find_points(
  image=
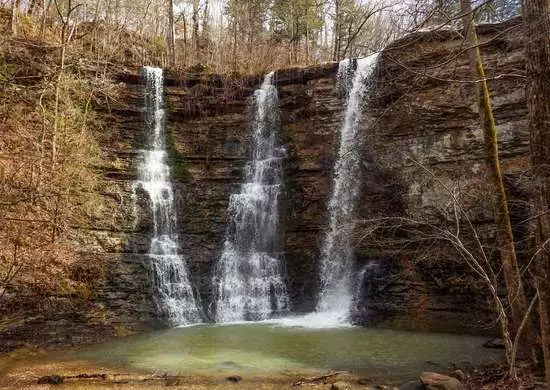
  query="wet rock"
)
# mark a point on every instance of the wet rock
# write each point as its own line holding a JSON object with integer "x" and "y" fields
{"x": 50, "y": 380}
{"x": 494, "y": 344}
{"x": 459, "y": 374}
{"x": 234, "y": 378}
{"x": 172, "y": 381}
{"x": 364, "y": 381}
{"x": 435, "y": 381}
{"x": 340, "y": 386}
{"x": 414, "y": 385}
{"x": 432, "y": 122}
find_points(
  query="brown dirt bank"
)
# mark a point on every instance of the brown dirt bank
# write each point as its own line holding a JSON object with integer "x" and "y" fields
{"x": 25, "y": 368}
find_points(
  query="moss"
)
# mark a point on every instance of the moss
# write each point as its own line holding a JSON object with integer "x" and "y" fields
{"x": 176, "y": 161}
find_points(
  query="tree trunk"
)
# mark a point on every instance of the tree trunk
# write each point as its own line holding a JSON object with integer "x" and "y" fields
{"x": 195, "y": 18}
{"x": 171, "y": 34}
{"x": 184, "y": 39}
{"x": 336, "y": 49}
{"x": 117, "y": 13}
{"x": 142, "y": 20}
{"x": 537, "y": 38}
{"x": 32, "y": 7}
{"x": 43, "y": 18}
{"x": 13, "y": 22}
{"x": 510, "y": 269}
{"x": 205, "y": 22}
{"x": 306, "y": 25}
{"x": 234, "y": 44}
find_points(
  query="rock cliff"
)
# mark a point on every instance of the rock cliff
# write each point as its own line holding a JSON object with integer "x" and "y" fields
{"x": 420, "y": 131}
{"x": 420, "y": 123}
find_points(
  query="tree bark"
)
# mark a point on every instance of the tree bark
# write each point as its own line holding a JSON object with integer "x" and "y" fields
{"x": 195, "y": 19}
{"x": 512, "y": 277}
{"x": 306, "y": 25}
{"x": 14, "y": 12}
{"x": 43, "y": 18}
{"x": 184, "y": 39}
{"x": 336, "y": 49}
{"x": 206, "y": 22}
{"x": 171, "y": 34}
{"x": 537, "y": 37}
{"x": 32, "y": 7}
{"x": 234, "y": 44}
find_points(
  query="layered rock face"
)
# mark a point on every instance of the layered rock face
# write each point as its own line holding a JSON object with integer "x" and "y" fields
{"x": 425, "y": 146}
{"x": 420, "y": 132}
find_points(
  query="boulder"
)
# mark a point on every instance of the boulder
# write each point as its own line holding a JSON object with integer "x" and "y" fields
{"x": 50, "y": 380}
{"x": 364, "y": 381}
{"x": 234, "y": 378}
{"x": 458, "y": 374}
{"x": 414, "y": 385}
{"x": 494, "y": 344}
{"x": 340, "y": 386}
{"x": 435, "y": 381}
{"x": 172, "y": 381}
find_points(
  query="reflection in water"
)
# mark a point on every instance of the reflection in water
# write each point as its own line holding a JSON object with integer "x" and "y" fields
{"x": 275, "y": 347}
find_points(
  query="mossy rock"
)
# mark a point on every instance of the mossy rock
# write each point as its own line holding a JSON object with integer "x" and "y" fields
{"x": 176, "y": 161}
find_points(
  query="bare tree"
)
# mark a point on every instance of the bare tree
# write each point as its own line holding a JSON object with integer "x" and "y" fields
{"x": 536, "y": 15}
{"x": 449, "y": 224}
{"x": 512, "y": 277}
{"x": 171, "y": 34}
{"x": 13, "y": 268}
{"x": 13, "y": 19}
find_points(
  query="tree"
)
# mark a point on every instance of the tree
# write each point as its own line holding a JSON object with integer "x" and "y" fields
{"x": 13, "y": 19}
{"x": 360, "y": 28}
{"x": 499, "y": 10}
{"x": 247, "y": 20}
{"x": 536, "y": 16}
{"x": 297, "y": 20}
{"x": 442, "y": 12}
{"x": 171, "y": 33}
{"x": 512, "y": 277}
{"x": 195, "y": 20}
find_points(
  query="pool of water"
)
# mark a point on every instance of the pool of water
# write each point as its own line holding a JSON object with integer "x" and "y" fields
{"x": 291, "y": 345}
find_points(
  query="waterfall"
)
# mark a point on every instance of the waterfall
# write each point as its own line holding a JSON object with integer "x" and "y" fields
{"x": 173, "y": 293}
{"x": 335, "y": 295}
{"x": 248, "y": 276}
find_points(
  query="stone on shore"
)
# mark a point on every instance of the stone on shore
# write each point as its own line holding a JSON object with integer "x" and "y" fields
{"x": 435, "y": 381}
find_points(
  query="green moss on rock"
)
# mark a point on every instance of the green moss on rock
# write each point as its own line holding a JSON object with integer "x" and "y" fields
{"x": 176, "y": 161}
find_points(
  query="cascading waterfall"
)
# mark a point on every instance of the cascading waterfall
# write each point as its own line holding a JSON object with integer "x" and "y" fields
{"x": 335, "y": 295}
{"x": 173, "y": 293}
{"x": 248, "y": 275}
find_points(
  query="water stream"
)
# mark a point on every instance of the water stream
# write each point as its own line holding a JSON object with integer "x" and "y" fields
{"x": 248, "y": 276}
{"x": 335, "y": 295}
{"x": 173, "y": 293}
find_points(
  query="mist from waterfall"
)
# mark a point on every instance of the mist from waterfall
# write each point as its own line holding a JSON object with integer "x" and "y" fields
{"x": 172, "y": 290}
{"x": 336, "y": 266}
{"x": 248, "y": 276}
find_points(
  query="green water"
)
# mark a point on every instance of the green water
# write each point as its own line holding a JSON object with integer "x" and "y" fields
{"x": 271, "y": 348}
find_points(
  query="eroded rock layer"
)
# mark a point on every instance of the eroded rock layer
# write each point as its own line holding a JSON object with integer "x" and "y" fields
{"x": 422, "y": 123}
{"x": 422, "y": 132}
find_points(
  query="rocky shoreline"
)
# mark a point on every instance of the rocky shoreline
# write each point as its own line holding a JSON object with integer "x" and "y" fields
{"x": 29, "y": 369}
{"x": 33, "y": 368}
{"x": 73, "y": 376}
